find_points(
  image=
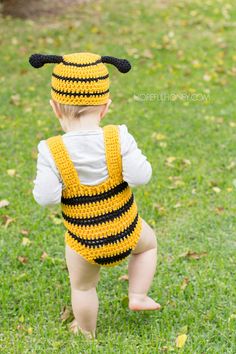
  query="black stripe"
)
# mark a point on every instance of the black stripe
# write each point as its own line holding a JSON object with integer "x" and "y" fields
{"x": 113, "y": 259}
{"x": 89, "y": 79}
{"x": 95, "y": 198}
{"x": 100, "y": 218}
{"x": 103, "y": 241}
{"x": 82, "y": 65}
{"x": 85, "y": 94}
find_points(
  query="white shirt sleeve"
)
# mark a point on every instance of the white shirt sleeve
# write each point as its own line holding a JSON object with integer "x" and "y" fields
{"x": 137, "y": 170}
{"x": 47, "y": 184}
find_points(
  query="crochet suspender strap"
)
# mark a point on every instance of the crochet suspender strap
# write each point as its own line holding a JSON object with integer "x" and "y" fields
{"x": 113, "y": 150}
{"x": 63, "y": 161}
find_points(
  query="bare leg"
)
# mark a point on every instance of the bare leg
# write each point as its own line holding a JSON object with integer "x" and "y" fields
{"x": 84, "y": 277}
{"x": 141, "y": 269}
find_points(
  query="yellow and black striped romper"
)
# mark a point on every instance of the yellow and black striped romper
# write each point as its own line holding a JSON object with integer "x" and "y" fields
{"x": 102, "y": 221}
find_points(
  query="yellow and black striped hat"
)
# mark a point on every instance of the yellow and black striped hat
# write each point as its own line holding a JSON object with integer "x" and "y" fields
{"x": 80, "y": 78}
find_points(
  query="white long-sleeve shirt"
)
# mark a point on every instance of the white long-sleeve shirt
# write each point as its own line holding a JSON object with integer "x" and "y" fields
{"x": 87, "y": 152}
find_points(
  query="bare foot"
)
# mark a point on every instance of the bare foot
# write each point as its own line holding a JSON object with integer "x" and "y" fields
{"x": 75, "y": 328}
{"x": 139, "y": 303}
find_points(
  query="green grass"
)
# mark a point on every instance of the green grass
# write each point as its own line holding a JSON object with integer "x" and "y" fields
{"x": 175, "y": 48}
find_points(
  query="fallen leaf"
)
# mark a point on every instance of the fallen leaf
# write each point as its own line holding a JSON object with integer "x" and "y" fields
{"x": 207, "y": 77}
{"x": 30, "y": 330}
{"x": 196, "y": 64}
{"x": 22, "y": 259}
{"x": 193, "y": 255}
{"x": 177, "y": 205}
{"x": 124, "y": 277}
{"x": 66, "y": 313}
{"x": 163, "y": 144}
{"x": 34, "y": 154}
{"x": 232, "y": 317}
{"x": 44, "y": 256}
{"x": 160, "y": 209}
{"x": 219, "y": 210}
{"x": 25, "y": 241}
{"x": 4, "y": 203}
{"x": 231, "y": 165}
{"x": 169, "y": 161}
{"x": 180, "y": 340}
{"x": 186, "y": 162}
{"x": 148, "y": 54}
{"x": 191, "y": 203}
{"x": 15, "y": 100}
{"x": 184, "y": 283}
{"x": 176, "y": 182}
{"x": 21, "y": 318}
{"x": 24, "y": 232}
{"x": 7, "y": 220}
{"x": 216, "y": 189}
{"x": 11, "y": 172}
{"x": 158, "y": 136}
{"x": 20, "y": 327}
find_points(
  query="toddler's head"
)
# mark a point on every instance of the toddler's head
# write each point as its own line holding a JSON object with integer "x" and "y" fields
{"x": 80, "y": 84}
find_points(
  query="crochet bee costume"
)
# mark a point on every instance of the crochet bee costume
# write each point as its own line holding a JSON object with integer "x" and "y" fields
{"x": 102, "y": 221}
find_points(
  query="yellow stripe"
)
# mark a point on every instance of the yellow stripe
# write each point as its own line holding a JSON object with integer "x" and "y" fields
{"x": 114, "y": 226}
{"x": 98, "y": 208}
{"x": 107, "y": 250}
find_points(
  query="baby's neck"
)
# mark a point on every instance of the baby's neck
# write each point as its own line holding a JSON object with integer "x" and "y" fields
{"x": 88, "y": 122}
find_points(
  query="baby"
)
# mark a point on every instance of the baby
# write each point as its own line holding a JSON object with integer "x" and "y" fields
{"x": 90, "y": 170}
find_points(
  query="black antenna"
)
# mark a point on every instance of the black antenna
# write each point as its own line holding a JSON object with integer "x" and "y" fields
{"x": 38, "y": 60}
{"x": 122, "y": 65}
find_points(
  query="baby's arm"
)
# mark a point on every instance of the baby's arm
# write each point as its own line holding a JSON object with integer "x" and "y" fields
{"x": 47, "y": 184}
{"x": 136, "y": 168}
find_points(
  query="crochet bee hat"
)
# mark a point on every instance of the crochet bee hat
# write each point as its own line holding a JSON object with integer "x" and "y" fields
{"x": 80, "y": 78}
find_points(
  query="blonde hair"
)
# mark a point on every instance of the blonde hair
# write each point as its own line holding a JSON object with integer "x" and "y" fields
{"x": 75, "y": 111}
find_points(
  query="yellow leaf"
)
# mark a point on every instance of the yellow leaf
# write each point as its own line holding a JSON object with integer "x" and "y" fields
{"x": 158, "y": 136}
{"x": 216, "y": 189}
{"x": 196, "y": 64}
{"x": 30, "y": 330}
{"x": 186, "y": 162}
{"x": 180, "y": 340}
{"x": 163, "y": 144}
{"x": 21, "y": 319}
{"x": 25, "y": 241}
{"x": 170, "y": 159}
{"x": 11, "y": 172}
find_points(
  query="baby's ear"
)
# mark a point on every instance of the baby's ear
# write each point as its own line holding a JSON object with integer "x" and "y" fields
{"x": 56, "y": 109}
{"x": 109, "y": 102}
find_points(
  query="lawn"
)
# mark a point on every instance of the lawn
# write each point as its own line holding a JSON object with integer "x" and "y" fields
{"x": 178, "y": 101}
